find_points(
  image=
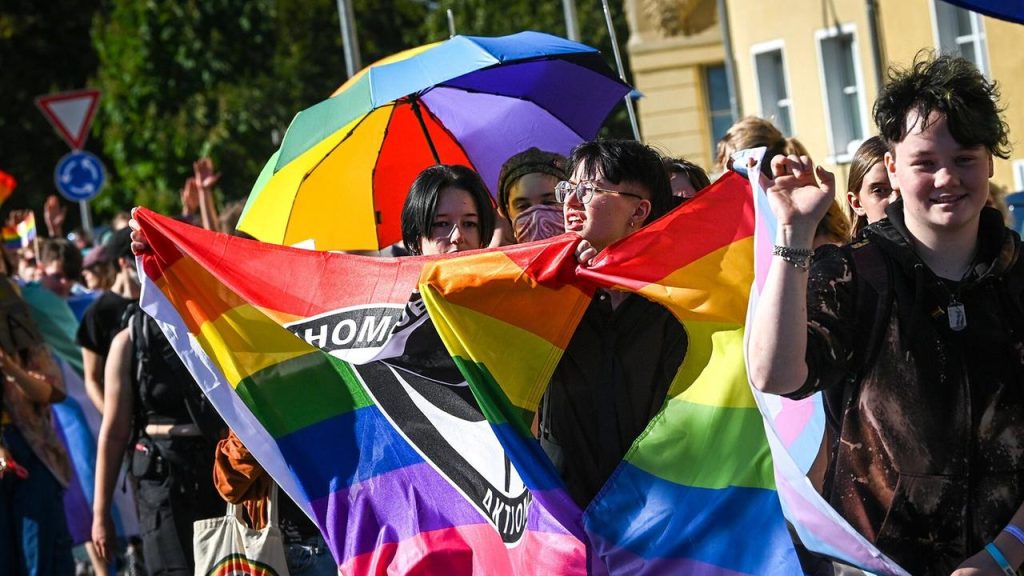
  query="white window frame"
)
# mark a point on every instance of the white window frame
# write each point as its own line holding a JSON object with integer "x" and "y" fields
{"x": 787, "y": 102}
{"x": 707, "y": 100}
{"x": 844, "y": 156}
{"x": 1018, "y": 176}
{"x": 976, "y": 36}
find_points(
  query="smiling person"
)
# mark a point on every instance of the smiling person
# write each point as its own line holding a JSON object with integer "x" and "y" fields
{"x": 447, "y": 210}
{"x": 868, "y": 190}
{"x": 913, "y": 333}
{"x": 615, "y": 372}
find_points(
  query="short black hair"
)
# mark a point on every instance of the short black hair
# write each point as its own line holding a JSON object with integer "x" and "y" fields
{"x": 626, "y": 161}
{"x": 695, "y": 174}
{"x": 421, "y": 204}
{"x": 951, "y": 86}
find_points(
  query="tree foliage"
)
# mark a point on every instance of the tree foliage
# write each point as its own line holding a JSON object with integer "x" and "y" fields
{"x": 221, "y": 78}
{"x": 44, "y": 48}
{"x": 211, "y": 77}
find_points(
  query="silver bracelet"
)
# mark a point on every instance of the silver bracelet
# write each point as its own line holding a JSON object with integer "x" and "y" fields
{"x": 798, "y": 257}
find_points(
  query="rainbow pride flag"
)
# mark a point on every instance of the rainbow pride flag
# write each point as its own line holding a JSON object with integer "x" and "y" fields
{"x": 392, "y": 398}
{"x": 12, "y": 241}
{"x": 26, "y": 230}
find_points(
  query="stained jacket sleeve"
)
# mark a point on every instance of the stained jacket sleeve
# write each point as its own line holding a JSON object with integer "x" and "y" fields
{"x": 831, "y": 321}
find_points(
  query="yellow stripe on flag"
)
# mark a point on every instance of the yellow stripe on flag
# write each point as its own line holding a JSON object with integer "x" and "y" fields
{"x": 470, "y": 335}
{"x": 714, "y": 288}
{"x": 713, "y": 372}
{"x": 243, "y": 341}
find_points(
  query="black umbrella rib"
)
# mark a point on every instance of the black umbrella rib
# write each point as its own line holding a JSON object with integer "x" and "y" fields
{"x": 453, "y": 139}
{"x": 415, "y": 102}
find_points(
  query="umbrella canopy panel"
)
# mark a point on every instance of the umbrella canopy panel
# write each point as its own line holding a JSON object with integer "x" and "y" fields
{"x": 346, "y": 164}
{"x": 383, "y": 153}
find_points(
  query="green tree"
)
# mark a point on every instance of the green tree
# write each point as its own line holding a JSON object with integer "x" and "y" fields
{"x": 44, "y": 48}
{"x": 221, "y": 78}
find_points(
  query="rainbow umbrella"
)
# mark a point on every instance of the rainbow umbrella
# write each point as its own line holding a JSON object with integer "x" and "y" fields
{"x": 345, "y": 165}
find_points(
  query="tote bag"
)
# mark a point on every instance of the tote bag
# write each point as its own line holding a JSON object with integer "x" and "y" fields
{"x": 227, "y": 546}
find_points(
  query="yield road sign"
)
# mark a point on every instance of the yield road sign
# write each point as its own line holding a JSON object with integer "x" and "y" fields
{"x": 71, "y": 114}
{"x": 79, "y": 176}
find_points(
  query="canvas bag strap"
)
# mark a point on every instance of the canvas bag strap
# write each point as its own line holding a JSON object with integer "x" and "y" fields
{"x": 272, "y": 513}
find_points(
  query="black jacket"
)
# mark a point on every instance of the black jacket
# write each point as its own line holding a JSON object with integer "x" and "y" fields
{"x": 929, "y": 465}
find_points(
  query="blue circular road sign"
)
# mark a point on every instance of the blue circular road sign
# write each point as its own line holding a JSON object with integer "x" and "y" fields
{"x": 79, "y": 176}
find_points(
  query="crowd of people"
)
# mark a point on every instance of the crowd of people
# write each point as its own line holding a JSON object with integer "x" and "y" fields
{"x": 901, "y": 304}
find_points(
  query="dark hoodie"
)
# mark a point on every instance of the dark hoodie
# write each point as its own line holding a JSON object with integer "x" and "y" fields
{"x": 929, "y": 465}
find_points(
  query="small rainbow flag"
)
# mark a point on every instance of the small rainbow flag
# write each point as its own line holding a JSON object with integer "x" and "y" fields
{"x": 392, "y": 398}
{"x": 12, "y": 241}
{"x": 27, "y": 230}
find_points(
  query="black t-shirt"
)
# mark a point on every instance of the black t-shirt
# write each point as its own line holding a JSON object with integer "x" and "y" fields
{"x": 101, "y": 322}
{"x": 613, "y": 378}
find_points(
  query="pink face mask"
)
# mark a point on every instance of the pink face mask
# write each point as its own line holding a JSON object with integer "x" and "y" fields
{"x": 539, "y": 222}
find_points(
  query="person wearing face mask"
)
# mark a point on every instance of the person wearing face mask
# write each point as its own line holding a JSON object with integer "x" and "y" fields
{"x": 526, "y": 194}
{"x": 615, "y": 372}
{"x": 448, "y": 210}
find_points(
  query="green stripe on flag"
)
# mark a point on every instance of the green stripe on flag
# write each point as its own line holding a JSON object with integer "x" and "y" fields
{"x": 493, "y": 402}
{"x": 706, "y": 447}
{"x": 302, "y": 391}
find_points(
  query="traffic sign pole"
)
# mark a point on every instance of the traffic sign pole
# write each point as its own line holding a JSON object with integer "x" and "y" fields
{"x": 79, "y": 175}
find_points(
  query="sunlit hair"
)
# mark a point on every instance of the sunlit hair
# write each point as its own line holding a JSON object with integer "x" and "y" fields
{"x": 421, "y": 204}
{"x": 752, "y": 132}
{"x": 952, "y": 87}
{"x": 871, "y": 152}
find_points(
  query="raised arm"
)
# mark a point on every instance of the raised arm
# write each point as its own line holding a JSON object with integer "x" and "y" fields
{"x": 115, "y": 432}
{"x": 778, "y": 335}
{"x": 39, "y": 379}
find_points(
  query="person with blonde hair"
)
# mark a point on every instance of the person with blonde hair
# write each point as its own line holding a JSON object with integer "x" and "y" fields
{"x": 753, "y": 132}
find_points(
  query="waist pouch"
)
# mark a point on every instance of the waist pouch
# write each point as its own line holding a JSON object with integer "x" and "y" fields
{"x": 146, "y": 462}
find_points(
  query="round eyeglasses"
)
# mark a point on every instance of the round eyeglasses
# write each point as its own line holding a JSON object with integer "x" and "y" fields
{"x": 584, "y": 191}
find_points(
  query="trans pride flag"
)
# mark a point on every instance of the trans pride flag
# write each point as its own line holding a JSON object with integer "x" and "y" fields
{"x": 795, "y": 429}
{"x": 392, "y": 398}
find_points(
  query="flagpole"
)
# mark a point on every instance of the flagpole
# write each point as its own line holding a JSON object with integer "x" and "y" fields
{"x": 622, "y": 72}
{"x": 348, "y": 37}
{"x": 572, "y": 29}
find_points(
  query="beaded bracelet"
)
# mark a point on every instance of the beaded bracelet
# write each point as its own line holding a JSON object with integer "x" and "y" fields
{"x": 996, "y": 555}
{"x": 798, "y": 257}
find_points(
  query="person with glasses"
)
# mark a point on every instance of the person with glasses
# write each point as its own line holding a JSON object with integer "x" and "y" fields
{"x": 448, "y": 210}
{"x": 615, "y": 373}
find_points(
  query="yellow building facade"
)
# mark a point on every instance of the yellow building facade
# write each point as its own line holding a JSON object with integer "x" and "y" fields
{"x": 808, "y": 65}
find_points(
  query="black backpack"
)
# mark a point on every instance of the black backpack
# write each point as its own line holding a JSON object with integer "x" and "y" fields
{"x": 154, "y": 360}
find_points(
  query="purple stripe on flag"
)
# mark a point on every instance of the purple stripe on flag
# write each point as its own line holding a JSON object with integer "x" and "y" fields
{"x": 402, "y": 503}
{"x": 77, "y": 507}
